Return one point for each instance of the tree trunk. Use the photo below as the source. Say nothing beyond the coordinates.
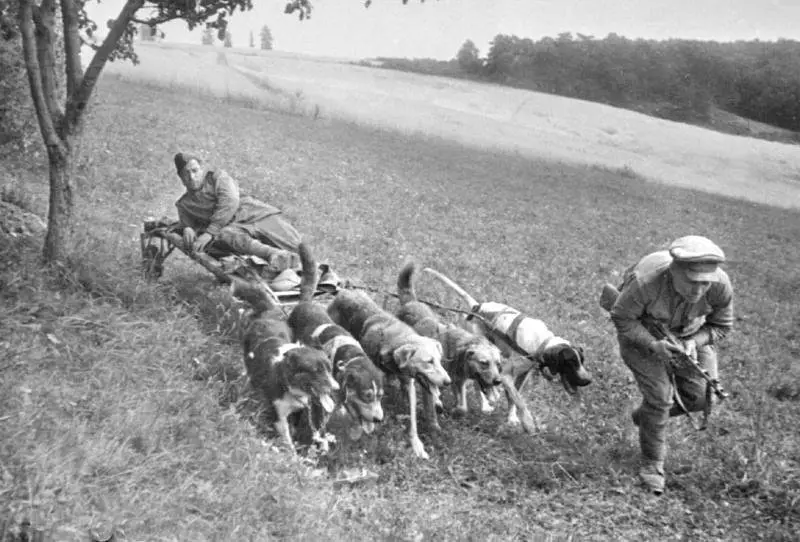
(59, 217)
(59, 128)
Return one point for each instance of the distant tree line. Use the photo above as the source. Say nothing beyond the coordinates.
(679, 79)
(208, 37)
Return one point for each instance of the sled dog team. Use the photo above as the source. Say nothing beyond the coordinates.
(318, 358)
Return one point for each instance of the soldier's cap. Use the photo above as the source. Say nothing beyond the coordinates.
(183, 158)
(698, 256)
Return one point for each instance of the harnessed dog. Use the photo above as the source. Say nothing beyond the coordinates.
(394, 347)
(466, 356)
(361, 382)
(538, 347)
(289, 376)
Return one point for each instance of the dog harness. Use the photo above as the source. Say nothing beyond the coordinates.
(281, 351)
(332, 346)
(530, 337)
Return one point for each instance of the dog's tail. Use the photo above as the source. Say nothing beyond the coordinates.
(308, 284)
(405, 283)
(251, 293)
(455, 287)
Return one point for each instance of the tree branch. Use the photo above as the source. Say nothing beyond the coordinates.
(44, 18)
(72, 45)
(80, 98)
(191, 16)
(29, 49)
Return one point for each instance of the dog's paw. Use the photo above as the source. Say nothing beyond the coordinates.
(419, 448)
(458, 412)
(324, 442)
(512, 420)
(488, 403)
(509, 428)
(528, 423)
(354, 432)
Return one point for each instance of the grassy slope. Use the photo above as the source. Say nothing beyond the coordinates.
(542, 126)
(718, 119)
(102, 420)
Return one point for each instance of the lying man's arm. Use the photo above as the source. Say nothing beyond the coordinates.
(227, 193)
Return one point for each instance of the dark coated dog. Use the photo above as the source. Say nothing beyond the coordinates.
(361, 382)
(288, 375)
(395, 347)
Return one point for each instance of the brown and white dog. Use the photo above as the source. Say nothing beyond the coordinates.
(394, 347)
(515, 332)
(466, 356)
(288, 375)
(361, 382)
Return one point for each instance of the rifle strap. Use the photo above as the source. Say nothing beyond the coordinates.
(676, 397)
(709, 404)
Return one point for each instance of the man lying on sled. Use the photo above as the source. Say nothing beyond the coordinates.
(215, 217)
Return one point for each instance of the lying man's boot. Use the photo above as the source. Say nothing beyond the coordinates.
(288, 279)
(283, 259)
(652, 475)
(278, 259)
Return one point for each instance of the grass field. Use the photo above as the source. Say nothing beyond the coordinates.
(534, 124)
(122, 405)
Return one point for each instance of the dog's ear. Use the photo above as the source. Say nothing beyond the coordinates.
(350, 380)
(568, 354)
(291, 361)
(465, 355)
(404, 354)
(557, 358)
(347, 387)
(378, 376)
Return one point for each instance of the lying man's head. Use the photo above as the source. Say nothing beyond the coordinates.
(190, 170)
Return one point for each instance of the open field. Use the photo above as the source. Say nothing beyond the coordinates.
(121, 401)
(489, 116)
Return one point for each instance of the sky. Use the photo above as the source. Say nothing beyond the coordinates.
(438, 28)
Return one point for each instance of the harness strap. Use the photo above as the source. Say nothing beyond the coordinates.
(511, 332)
(319, 330)
(508, 337)
(473, 312)
(331, 347)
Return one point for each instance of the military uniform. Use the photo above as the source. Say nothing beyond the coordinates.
(237, 223)
(649, 294)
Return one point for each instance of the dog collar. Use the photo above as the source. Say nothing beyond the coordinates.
(473, 312)
(549, 343)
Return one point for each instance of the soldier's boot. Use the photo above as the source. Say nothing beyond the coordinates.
(636, 417)
(651, 473)
(278, 259)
